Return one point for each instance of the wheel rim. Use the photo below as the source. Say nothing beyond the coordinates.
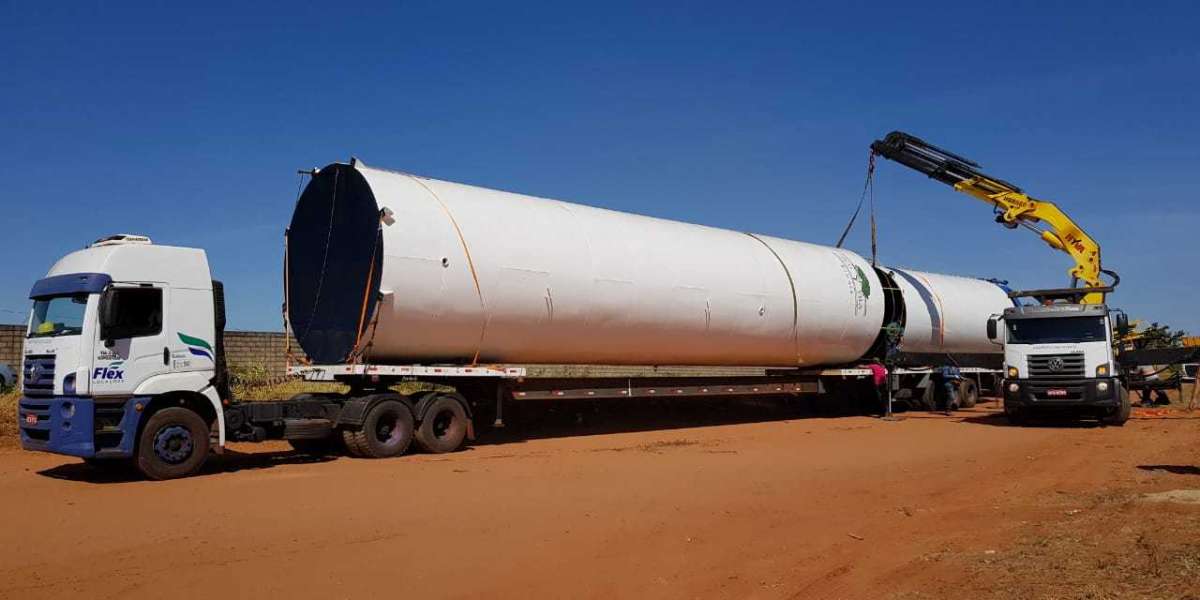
(387, 429)
(173, 444)
(442, 422)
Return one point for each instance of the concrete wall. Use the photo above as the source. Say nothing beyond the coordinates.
(243, 349)
(11, 338)
(255, 349)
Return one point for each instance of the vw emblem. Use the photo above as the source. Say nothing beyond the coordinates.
(1055, 364)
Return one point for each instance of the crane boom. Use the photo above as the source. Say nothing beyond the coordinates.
(1013, 207)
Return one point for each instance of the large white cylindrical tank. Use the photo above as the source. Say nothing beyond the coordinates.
(946, 314)
(386, 266)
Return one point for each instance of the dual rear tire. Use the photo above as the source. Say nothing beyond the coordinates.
(390, 428)
(387, 431)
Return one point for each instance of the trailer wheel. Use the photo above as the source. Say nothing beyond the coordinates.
(968, 394)
(174, 443)
(350, 441)
(1120, 414)
(387, 431)
(444, 426)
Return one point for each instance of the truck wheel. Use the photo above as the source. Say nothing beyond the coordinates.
(1120, 414)
(444, 426)
(174, 443)
(387, 431)
(968, 394)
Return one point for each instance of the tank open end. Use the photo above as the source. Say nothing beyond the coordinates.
(334, 258)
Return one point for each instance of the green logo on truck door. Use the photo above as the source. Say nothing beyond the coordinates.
(197, 346)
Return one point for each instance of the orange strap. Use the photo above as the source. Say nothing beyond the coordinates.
(362, 315)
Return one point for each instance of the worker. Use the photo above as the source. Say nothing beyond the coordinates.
(947, 378)
(879, 378)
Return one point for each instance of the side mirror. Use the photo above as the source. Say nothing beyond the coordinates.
(991, 329)
(1122, 324)
(108, 316)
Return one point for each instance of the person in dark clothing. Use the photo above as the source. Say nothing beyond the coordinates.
(947, 379)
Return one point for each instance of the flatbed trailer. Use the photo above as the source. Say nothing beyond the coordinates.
(491, 387)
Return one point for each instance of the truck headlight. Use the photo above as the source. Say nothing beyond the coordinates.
(1012, 373)
(1102, 370)
(1102, 387)
(1014, 388)
(69, 384)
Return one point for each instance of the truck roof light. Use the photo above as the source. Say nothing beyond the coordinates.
(120, 239)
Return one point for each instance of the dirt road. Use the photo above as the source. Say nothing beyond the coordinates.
(850, 507)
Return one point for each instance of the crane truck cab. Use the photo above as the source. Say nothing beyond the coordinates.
(121, 357)
(1058, 358)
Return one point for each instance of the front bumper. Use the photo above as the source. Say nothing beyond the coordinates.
(78, 426)
(1082, 393)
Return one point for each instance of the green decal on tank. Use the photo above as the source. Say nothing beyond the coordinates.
(863, 282)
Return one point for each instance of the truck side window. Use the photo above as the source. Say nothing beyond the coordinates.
(138, 311)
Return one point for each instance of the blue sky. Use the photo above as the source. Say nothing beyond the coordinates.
(188, 121)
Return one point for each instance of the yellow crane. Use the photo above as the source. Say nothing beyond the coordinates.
(1013, 207)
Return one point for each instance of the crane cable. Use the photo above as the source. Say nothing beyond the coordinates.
(868, 195)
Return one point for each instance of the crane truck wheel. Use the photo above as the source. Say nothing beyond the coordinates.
(968, 394)
(173, 444)
(387, 431)
(444, 426)
(1120, 414)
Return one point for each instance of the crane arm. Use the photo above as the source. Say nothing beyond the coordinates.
(1013, 207)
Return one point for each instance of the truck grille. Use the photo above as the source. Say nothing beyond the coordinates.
(1056, 366)
(39, 375)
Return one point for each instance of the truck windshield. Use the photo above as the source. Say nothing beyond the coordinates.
(1057, 331)
(59, 315)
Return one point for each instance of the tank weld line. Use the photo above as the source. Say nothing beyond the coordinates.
(795, 302)
(470, 264)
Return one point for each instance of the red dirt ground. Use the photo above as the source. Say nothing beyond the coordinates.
(853, 507)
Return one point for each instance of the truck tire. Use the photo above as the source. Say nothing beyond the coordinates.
(173, 444)
(444, 426)
(387, 431)
(968, 394)
(1121, 413)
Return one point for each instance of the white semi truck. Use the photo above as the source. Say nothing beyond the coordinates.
(391, 277)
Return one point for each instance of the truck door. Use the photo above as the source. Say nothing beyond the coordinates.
(132, 344)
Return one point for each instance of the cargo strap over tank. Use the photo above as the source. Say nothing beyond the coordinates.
(459, 274)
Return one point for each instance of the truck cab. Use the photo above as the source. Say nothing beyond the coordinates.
(121, 333)
(1059, 358)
